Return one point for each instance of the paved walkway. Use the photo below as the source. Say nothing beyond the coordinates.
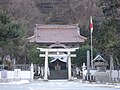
(57, 85)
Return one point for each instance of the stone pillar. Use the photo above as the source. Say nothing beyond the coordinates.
(46, 66)
(69, 67)
(31, 72)
(88, 65)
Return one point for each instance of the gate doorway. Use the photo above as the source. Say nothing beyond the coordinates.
(58, 69)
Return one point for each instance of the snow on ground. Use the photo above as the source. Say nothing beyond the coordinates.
(17, 82)
(75, 83)
(62, 83)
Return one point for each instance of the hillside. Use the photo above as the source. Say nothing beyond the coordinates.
(30, 12)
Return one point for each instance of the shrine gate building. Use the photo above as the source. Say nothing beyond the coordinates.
(57, 41)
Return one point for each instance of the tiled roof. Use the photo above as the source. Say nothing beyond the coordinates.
(56, 33)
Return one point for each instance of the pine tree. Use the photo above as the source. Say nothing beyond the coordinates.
(11, 37)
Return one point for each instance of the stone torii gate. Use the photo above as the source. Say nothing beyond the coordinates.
(58, 51)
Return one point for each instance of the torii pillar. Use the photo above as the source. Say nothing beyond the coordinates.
(69, 66)
(46, 66)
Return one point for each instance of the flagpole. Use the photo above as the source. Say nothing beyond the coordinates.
(91, 31)
(91, 52)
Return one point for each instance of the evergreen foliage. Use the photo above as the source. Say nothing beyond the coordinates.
(81, 55)
(33, 55)
(12, 37)
(108, 34)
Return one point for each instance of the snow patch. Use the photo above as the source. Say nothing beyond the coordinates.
(40, 79)
(17, 82)
(118, 86)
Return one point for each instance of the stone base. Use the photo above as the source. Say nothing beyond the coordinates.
(102, 77)
(45, 80)
(70, 79)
